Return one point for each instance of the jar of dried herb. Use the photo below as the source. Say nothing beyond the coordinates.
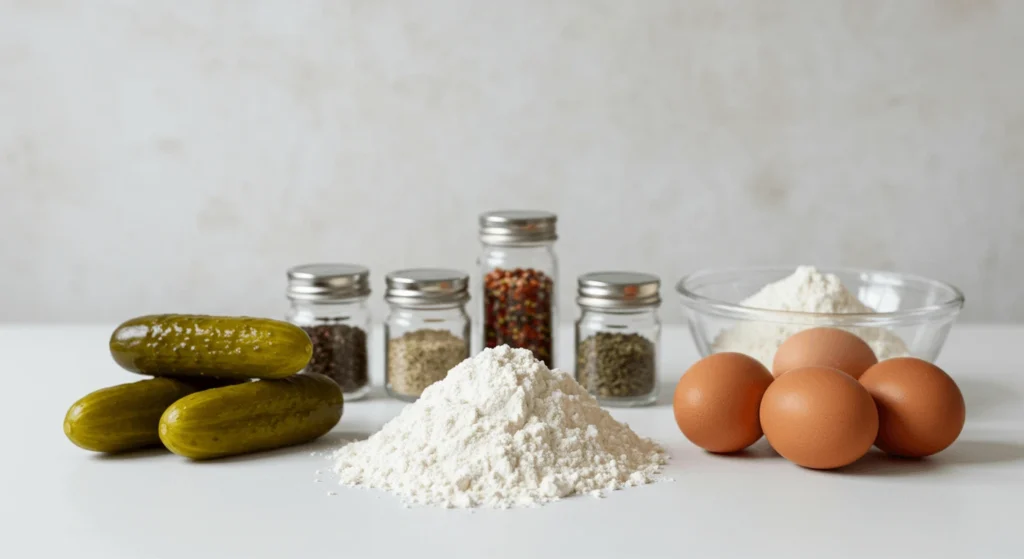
(617, 337)
(328, 301)
(427, 331)
(519, 271)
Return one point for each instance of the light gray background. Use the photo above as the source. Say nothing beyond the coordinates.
(178, 156)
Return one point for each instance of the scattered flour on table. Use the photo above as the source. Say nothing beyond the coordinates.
(500, 430)
(806, 290)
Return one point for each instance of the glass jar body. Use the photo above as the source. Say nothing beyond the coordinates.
(519, 297)
(340, 332)
(617, 355)
(421, 345)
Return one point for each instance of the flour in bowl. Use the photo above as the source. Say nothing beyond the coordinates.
(500, 430)
(806, 290)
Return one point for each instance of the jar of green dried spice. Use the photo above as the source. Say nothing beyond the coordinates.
(427, 331)
(328, 301)
(617, 337)
(519, 273)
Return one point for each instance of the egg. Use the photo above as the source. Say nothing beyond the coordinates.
(824, 347)
(717, 400)
(819, 418)
(920, 409)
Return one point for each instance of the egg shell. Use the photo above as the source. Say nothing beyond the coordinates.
(824, 347)
(819, 418)
(921, 410)
(717, 401)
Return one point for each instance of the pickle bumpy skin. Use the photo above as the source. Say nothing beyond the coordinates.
(179, 345)
(123, 417)
(252, 416)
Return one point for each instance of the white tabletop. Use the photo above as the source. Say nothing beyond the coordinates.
(58, 500)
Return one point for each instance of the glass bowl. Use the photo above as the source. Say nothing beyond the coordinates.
(914, 314)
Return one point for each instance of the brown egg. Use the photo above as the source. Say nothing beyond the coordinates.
(716, 401)
(920, 409)
(819, 418)
(824, 347)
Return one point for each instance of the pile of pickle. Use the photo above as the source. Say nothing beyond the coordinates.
(222, 386)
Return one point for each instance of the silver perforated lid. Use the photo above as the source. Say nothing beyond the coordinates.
(328, 282)
(618, 290)
(515, 227)
(419, 287)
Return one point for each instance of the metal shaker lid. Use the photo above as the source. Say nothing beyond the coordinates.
(516, 227)
(426, 286)
(328, 282)
(618, 290)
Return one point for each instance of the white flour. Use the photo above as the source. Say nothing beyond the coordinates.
(807, 290)
(500, 430)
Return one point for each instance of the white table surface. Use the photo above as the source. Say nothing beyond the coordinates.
(58, 500)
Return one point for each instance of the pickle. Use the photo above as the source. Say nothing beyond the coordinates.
(123, 417)
(253, 416)
(181, 345)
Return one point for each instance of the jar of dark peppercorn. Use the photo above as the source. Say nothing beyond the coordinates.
(617, 337)
(519, 272)
(328, 301)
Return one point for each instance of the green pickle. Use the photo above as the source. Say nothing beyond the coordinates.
(182, 345)
(124, 417)
(252, 416)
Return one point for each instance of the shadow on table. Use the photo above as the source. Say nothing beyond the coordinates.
(877, 463)
(984, 394)
(328, 442)
(981, 452)
(760, 450)
(141, 454)
(966, 452)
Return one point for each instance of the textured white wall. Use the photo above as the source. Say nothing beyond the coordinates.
(179, 155)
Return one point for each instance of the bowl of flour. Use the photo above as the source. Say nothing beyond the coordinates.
(754, 310)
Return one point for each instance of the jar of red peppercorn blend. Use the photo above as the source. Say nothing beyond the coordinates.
(328, 301)
(617, 337)
(519, 274)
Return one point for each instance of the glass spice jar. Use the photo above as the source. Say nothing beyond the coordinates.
(328, 301)
(617, 337)
(427, 331)
(520, 272)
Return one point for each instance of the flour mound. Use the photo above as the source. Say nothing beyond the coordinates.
(500, 430)
(806, 290)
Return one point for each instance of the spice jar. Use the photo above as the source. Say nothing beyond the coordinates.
(328, 301)
(427, 331)
(519, 271)
(617, 337)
